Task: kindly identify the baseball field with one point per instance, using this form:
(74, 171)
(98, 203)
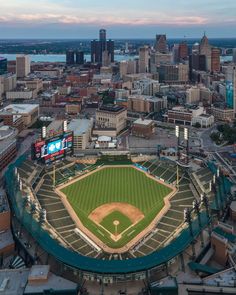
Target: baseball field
(116, 203)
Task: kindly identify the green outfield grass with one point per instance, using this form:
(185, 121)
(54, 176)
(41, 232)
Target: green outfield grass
(116, 184)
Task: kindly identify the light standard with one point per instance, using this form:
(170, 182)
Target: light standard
(196, 208)
(218, 207)
(205, 202)
(41, 220)
(177, 135)
(33, 210)
(188, 219)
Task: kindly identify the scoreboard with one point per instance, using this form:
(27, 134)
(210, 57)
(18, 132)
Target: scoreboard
(52, 149)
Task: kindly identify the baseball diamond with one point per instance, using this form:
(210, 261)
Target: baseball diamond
(70, 242)
(123, 194)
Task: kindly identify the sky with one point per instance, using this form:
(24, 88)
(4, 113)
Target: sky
(122, 18)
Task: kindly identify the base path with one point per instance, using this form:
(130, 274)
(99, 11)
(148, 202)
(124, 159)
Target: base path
(134, 214)
(93, 237)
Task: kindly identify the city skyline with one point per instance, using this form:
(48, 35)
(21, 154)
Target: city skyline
(67, 19)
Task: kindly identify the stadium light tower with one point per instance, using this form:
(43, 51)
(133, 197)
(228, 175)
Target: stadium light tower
(177, 135)
(222, 200)
(215, 191)
(44, 132)
(210, 186)
(196, 208)
(188, 219)
(65, 127)
(205, 203)
(20, 185)
(186, 137)
(218, 172)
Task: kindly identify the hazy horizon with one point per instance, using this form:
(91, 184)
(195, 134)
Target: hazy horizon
(49, 19)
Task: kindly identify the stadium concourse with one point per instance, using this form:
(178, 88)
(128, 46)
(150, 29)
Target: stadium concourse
(40, 210)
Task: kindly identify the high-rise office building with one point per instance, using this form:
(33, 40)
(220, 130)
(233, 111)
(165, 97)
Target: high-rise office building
(3, 65)
(102, 35)
(22, 66)
(183, 51)
(231, 92)
(144, 59)
(215, 59)
(161, 44)
(102, 50)
(123, 68)
(197, 62)
(234, 88)
(70, 57)
(229, 95)
(111, 49)
(79, 57)
(196, 48)
(175, 53)
(234, 55)
(193, 95)
(205, 49)
(173, 73)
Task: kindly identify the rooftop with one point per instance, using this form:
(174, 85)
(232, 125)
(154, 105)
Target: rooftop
(39, 272)
(205, 116)
(4, 206)
(80, 126)
(14, 281)
(5, 132)
(19, 108)
(6, 239)
(46, 281)
(111, 108)
(7, 137)
(55, 126)
(145, 122)
(224, 278)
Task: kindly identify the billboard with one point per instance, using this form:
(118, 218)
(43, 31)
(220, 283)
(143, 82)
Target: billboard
(51, 149)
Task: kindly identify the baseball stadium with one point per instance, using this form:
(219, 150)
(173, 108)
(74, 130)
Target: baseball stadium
(113, 217)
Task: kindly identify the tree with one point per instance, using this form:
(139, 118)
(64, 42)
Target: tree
(197, 125)
(215, 136)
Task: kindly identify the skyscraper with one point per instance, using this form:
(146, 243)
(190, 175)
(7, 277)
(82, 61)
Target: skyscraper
(215, 59)
(196, 62)
(229, 95)
(70, 57)
(102, 35)
(79, 57)
(234, 88)
(205, 49)
(102, 50)
(22, 66)
(161, 44)
(175, 53)
(144, 59)
(183, 51)
(234, 55)
(3, 65)
(110, 49)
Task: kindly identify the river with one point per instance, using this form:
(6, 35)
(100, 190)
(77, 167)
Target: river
(62, 57)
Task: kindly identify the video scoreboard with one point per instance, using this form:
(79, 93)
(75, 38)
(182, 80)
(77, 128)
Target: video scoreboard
(52, 149)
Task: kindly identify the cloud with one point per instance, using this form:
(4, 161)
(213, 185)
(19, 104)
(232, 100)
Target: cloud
(108, 20)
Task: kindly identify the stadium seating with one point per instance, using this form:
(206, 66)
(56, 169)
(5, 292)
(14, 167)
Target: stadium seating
(60, 220)
(169, 223)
